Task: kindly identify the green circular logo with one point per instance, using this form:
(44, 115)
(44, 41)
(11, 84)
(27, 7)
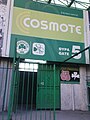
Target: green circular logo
(22, 47)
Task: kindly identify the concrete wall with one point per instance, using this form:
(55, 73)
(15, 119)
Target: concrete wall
(5, 79)
(74, 96)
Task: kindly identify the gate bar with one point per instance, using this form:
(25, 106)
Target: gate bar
(54, 117)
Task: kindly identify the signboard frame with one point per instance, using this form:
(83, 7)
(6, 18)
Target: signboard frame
(40, 45)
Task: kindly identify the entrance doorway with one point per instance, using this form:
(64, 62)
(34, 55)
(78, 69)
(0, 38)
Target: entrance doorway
(39, 88)
(27, 89)
(48, 89)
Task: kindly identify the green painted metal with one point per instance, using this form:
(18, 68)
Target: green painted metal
(32, 91)
(11, 96)
(48, 84)
(37, 37)
(34, 95)
(12, 88)
(12, 99)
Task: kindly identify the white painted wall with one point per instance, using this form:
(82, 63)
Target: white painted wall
(74, 96)
(7, 36)
(86, 35)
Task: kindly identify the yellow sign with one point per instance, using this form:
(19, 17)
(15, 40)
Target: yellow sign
(47, 25)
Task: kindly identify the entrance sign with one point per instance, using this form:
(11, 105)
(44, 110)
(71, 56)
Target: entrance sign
(47, 32)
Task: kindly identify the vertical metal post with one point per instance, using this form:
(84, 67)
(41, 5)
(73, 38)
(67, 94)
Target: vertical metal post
(11, 98)
(31, 117)
(54, 117)
(23, 79)
(27, 96)
(73, 94)
(17, 89)
(41, 75)
(5, 87)
(11, 92)
(46, 91)
(51, 69)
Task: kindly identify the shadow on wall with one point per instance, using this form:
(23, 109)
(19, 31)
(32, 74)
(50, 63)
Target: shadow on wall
(4, 2)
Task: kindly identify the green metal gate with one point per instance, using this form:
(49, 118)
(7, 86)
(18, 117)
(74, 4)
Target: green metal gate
(34, 92)
(48, 88)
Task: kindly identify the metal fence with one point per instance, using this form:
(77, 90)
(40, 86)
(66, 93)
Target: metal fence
(29, 91)
(5, 81)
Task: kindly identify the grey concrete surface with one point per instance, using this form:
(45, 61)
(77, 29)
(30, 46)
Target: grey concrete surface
(73, 115)
(48, 115)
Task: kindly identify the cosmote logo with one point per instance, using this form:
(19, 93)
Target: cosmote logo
(26, 21)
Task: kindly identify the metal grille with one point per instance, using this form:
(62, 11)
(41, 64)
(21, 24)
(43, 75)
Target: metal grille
(31, 92)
